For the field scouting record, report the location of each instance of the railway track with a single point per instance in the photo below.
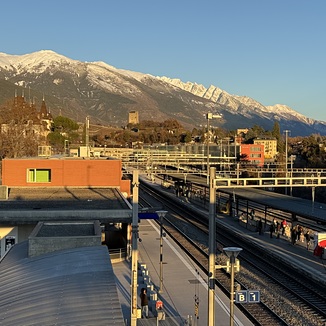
(243, 207)
(285, 298)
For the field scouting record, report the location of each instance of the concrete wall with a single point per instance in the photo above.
(42, 241)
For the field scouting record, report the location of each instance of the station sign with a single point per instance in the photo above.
(253, 296)
(148, 216)
(247, 296)
(241, 296)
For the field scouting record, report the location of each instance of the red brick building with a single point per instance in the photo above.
(64, 172)
(253, 153)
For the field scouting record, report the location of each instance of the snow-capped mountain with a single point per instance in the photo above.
(107, 94)
(237, 103)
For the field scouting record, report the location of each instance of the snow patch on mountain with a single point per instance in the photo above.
(243, 104)
(110, 79)
(37, 62)
(286, 111)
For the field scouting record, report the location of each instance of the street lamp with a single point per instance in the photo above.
(209, 116)
(232, 253)
(161, 215)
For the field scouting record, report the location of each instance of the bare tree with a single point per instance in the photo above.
(21, 129)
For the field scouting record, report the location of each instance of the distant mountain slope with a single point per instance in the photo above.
(106, 94)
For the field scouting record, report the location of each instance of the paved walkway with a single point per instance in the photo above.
(182, 283)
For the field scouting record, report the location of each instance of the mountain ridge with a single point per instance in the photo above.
(106, 94)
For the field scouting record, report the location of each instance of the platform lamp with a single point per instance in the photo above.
(161, 214)
(209, 116)
(232, 253)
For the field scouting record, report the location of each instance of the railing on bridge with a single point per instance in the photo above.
(311, 181)
(151, 161)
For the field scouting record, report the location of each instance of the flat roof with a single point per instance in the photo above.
(29, 204)
(67, 287)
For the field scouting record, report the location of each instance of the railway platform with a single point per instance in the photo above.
(184, 283)
(297, 255)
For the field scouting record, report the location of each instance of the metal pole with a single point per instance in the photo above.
(286, 158)
(161, 215)
(212, 248)
(235, 148)
(232, 253)
(134, 254)
(207, 148)
(87, 135)
(161, 254)
(229, 153)
(232, 261)
(291, 173)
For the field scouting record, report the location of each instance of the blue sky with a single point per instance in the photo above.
(273, 51)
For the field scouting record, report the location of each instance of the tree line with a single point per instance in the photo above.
(22, 131)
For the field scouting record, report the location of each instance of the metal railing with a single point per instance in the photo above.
(118, 254)
(311, 181)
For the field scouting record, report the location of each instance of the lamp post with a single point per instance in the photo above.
(232, 253)
(209, 116)
(161, 215)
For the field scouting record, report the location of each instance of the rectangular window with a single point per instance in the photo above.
(255, 155)
(255, 149)
(39, 175)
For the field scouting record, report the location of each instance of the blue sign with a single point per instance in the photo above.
(241, 296)
(148, 216)
(253, 296)
(247, 296)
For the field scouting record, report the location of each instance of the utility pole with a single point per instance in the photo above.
(134, 253)
(211, 248)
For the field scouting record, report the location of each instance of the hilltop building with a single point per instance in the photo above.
(133, 117)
